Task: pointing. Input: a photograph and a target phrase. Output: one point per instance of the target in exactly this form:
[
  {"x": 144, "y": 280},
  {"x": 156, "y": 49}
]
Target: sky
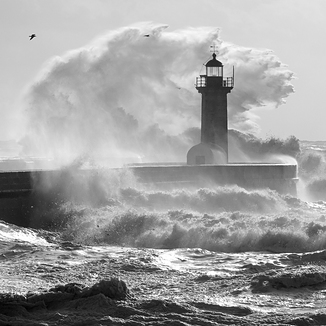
[{"x": 293, "y": 29}]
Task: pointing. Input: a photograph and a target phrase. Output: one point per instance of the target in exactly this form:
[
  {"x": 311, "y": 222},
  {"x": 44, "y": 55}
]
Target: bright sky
[{"x": 293, "y": 29}]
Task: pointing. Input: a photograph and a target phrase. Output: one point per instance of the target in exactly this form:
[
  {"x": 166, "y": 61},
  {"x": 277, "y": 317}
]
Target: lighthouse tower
[{"x": 213, "y": 87}]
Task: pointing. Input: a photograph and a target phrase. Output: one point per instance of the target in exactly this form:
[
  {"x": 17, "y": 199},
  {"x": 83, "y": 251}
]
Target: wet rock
[
  {"x": 50, "y": 298},
  {"x": 97, "y": 303},
  {"x": 10, "y": 297},
  {"x": 231, "y": 310},
  {"x": 165, "y": 306},
  {"x": 20, "y": 307},
  {"x": 13, "y": 309},
  {"x": 74, "y": 288},
  {"x": 302, "y": 321},
  {"x": 319, "y": 319},
  {"x": 99, "y": 297},
  {"x": 114, "y": 289}
]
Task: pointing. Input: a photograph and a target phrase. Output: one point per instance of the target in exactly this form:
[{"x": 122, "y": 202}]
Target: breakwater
[{"x": 23, "y": 192}]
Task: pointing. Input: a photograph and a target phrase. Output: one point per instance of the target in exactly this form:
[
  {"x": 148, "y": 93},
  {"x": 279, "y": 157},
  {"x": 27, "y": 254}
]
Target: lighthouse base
[{"x": 206, "y": 154}]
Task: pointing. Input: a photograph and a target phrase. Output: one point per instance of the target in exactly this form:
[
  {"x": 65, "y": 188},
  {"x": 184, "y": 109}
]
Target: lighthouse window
[{"x": 214, "y": 71}]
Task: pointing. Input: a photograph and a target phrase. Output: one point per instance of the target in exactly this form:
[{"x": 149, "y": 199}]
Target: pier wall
[
  {"x": 279, "y": 177},
  {"x": 22, "y": 193}
]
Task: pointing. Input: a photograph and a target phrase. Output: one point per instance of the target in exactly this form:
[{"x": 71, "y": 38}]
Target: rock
[
  {"x": 114, "y": 289},
  {"x": 74, "y": 288},
  {"x": 99, "y": 297},
  {"x": 49, "y": 298},
  {"x": 231, "y": 310},
  {"x": 13, "y": 309},
  {"x": 96, "y": 303}
]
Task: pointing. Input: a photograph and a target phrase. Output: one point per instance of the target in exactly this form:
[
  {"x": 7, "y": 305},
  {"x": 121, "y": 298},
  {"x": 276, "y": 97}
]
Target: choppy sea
[{"x": 187, "y": 256}]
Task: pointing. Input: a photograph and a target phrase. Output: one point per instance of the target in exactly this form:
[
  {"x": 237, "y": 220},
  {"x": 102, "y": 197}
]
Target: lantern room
[
  {"x": 214, "y": 76},
  {"x": 214, "y": 68}
]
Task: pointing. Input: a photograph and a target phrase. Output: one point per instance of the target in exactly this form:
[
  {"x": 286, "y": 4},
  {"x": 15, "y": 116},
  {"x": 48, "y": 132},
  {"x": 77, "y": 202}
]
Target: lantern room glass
[{"x": 214, "y": 71}]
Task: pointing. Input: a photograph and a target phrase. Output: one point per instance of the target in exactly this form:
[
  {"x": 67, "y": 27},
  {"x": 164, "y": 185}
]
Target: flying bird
[
  {"x": 146, "y": 35},
  {"x": 32, "y": 36}
]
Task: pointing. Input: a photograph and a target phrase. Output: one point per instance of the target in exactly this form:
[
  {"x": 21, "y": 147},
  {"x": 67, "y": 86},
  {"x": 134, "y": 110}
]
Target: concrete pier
[
  {"x": 279, "y": 177},
  {"x": 25, "y": 192}
]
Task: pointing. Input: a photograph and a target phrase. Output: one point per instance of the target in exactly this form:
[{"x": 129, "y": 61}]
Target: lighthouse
[{"x": 213, "y": 87}]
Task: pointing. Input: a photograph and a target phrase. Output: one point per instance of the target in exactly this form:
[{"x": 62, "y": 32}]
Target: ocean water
[{"x": 130, "y": 254}]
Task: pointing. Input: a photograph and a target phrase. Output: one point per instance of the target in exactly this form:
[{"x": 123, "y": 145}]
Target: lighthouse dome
[{"x": 214, "y": 62}]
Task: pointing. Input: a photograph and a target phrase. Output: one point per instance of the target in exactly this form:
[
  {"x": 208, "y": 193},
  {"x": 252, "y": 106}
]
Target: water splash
[{"x": 125, "y": 96}]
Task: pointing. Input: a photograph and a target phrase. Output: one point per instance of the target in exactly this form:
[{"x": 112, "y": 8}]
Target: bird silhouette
[
  {"x": 146, "y": 35},
  {"x": 32, "y": 36}
]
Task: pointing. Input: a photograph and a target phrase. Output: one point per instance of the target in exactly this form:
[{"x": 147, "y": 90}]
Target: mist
[{"x": 126, "y": 97}]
